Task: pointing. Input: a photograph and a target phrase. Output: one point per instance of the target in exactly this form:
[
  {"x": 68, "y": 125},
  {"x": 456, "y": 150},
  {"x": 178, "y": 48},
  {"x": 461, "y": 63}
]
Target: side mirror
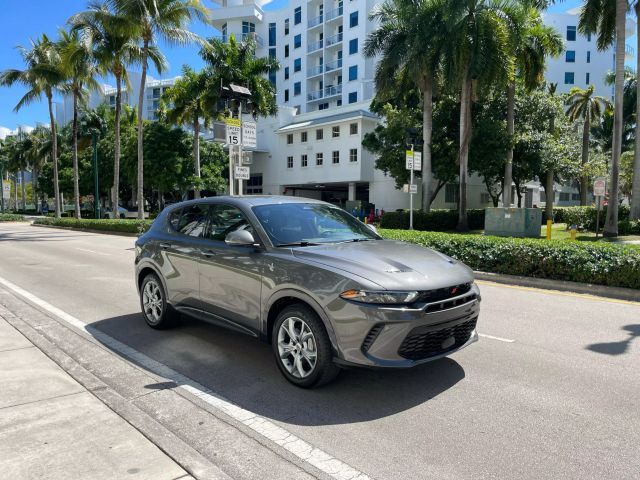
[
  {"x": 240, "y": 238},
  {"x": 372, "y": 228}
]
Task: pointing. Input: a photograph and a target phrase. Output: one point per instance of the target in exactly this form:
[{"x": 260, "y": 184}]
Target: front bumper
[{"x": 400, "y": 337}]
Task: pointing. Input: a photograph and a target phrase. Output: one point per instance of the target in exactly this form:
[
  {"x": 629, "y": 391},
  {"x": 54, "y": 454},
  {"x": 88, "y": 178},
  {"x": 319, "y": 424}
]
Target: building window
[
  {"x": 339, "y": 102},
  {"x": 254, "y": 184},
  {"x": 565, "y": 196},
  {"x": 484, "y": 198},
  {"x": 319, "y": 134},
  {"x": 272, "y": 77},
  {"x": 353, "y": 97},
  {"x": 571, "y": 33},
  {"x": 323, "y": 106},
  {"x": 319, "y": 159},
  {"x": 286, "y": 73},
  {"x": 353, "y": 19},
  {"x": 297, "y": 16},
  {"x": 289, "y": 138},
  {"x": 353, "y": 73},
  {"x": 451, "y": 193},
  {"x": 589, "y": 37},
  {"x": 353, "y": 129},
  {"x": 303, "y": 137},
  {"x": 286, "y": 26},
  {"x": 569, "y": 78},
  {"x": 303, "y": 161},
  {"x": 588, "y": 57},
  {"x": 587, "y": 78},
  {"x": 336, "y": 157},
  {"x": 286, "y": 95},
  {"x": 272, "y": 34},
  {"x": 353, "y": 46},
  {"x": 289, "y": 162},
  {"x": 286, "y": 51},
  {"x": 335, "y": 131},
  {"x": 297, "y": 65},
  {"x": 353, "y": 155},
  {"x": 297, "y": 88},
  {"x": 297, "y": 41},
  {"x": 575, "y": 197},
  {"x": 570, "y": 56}
]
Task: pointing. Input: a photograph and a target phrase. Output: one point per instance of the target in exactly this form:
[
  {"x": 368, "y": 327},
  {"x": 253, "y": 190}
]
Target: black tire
[
  {"x": 324, "y": 369},
  {"x": 167, "y": 316}
]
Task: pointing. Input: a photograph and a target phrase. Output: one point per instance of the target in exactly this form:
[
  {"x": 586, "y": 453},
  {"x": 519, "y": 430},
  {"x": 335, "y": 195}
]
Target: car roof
[{"x": 252, "y": 200}]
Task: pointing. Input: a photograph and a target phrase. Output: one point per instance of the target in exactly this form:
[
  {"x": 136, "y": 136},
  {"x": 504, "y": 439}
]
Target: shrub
[
  {"x": 435, "y": 220},
  {"x": 585, "y": 217},
  {"x": 603, "y": 264},
  {"x": 120, "y": 226},
  {"x": 10, "y": 217}
]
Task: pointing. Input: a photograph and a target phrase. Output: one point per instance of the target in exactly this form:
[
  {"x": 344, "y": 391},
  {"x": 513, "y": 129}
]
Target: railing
[
  {"x": 315, "y": 21},
  {"x": 333, "y": 65},
  {"x": 315, "y": 95},
  {"x": 334, "y": 39},
  {"x": 313, "y": 71},
  {"x": 243, "y": 37},
  {"x": 335, "y": 13},
  {"x": 332, "y": 91},
  {"x": 312, "y": 47}
]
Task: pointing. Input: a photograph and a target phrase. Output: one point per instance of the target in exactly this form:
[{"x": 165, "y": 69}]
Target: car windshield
[{"x": 310, "y": 223}]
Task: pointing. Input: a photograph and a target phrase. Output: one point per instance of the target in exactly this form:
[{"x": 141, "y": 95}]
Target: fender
[
  {"x": 309, "y": 300},
  {"x": 147, "y": 263}
]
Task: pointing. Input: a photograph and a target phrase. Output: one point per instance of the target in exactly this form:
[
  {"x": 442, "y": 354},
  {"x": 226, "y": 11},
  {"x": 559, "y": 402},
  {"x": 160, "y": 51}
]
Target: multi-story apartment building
[{"x": 582, "y": 64}]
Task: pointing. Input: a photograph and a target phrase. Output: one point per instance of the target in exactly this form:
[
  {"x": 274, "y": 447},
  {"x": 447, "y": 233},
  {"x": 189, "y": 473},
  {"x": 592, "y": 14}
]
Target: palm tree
[
  {"x": 156, "y": 20},
  {"x": 80, "y": 70},
  {"x": 478, "y": 56},
  {"x": 588, "y": 108},
  {"x": 37, "y": 153},
  {"x": 532, "y": 43},
  {"x": 114, "y": 49},
  {"x": 409, "y": 40},
  {"x": 596, "y": 17},
  {"x": 184, "y": 103},
  {"x": 42, "y": 75}
]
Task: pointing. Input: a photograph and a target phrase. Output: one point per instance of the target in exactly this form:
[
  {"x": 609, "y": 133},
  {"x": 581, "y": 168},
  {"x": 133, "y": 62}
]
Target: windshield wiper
[
  {"x": 297, "y": 244},
  {"x": 356, "y": 240}
]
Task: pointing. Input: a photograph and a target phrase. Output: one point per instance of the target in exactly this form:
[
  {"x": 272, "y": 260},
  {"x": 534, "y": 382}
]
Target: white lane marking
[
  {"x": 500, "y": 339},
  {"x": 298, "y": 447},
  {"x": 93, "y": 251}
]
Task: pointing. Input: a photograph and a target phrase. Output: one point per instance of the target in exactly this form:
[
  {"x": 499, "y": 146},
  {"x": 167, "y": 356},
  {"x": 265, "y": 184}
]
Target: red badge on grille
[{"x": 454, "y": 290}]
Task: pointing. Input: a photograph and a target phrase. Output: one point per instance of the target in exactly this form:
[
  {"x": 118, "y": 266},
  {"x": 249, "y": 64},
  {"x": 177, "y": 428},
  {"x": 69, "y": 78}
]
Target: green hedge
[
  {"x": 10, "y": 217},
  {"x": 585, "y": 217},
  {"x": 602, "y": 264},
  {"x": 120, "y": 226},
  {"x": 435, "y": 220}
]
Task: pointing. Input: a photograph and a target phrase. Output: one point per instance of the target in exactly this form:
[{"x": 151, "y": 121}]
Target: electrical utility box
[{"x": 513, "y": 222}]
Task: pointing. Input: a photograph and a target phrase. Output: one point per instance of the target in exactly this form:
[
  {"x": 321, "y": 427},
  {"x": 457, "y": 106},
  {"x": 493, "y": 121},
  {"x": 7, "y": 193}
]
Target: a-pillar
[{"x": 352, "y": 191}]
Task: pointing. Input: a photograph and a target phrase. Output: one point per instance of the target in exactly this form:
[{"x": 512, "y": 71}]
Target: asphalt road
[{"x": 551, "y": 390}]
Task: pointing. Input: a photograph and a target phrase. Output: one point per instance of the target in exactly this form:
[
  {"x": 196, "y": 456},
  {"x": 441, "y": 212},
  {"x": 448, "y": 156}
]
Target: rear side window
[
  {"x": 225, "y": 219},
  {"x": 174, "y": 218},
  {"x": 190, "y": 220}
]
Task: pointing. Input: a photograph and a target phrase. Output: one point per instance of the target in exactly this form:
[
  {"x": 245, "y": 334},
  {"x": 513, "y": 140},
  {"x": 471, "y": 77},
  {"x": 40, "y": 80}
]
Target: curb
[
  {"x": 620, "y": 293},
  {"x": 88, "y": 230}
]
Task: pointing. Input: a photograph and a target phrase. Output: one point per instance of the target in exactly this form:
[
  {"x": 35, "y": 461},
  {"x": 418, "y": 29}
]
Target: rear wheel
[
  {"x": 302, "y": 348},
  {"x": 153, "y": 301}
]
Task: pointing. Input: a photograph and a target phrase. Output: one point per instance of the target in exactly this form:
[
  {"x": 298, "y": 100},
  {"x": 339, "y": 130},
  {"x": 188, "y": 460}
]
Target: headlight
[{"x": 382, "y": 297}]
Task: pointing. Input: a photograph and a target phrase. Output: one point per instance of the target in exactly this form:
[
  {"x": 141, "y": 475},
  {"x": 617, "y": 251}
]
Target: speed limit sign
[{"x": 233, "y": 130}]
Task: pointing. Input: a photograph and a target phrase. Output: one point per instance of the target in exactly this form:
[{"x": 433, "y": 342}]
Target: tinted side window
[
  {"x": 225, "y": 219},
  {"x": 174, "y": 218},
  {"x": 192, "y": 220}
]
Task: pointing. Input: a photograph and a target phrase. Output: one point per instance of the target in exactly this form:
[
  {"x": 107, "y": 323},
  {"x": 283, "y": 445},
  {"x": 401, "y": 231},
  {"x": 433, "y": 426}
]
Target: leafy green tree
[
  {"x": 585, "y": 107},
  {"x": 42, "y": 76}
]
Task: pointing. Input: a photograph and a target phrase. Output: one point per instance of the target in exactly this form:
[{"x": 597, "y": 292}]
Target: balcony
[
  {"x": 336, "y": 64},
  {"x": 315, "y": 95},
  {"x": 242, "y": 37},
  {"x": 334, "y": 40},
  {"x": 313, "y": 71},
  {"x": 333, "y": 14},
  {"x": 312, "y": 47},
  {"x": 326, "y": 92},
  {"x": 314, "y": 22}
]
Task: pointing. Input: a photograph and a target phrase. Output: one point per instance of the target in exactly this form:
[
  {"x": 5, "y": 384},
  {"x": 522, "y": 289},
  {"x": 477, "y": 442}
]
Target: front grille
[
  {"x": 371, "y": 336},
  {"x": 444, "y": 305},
  {"x": 425, "y": 342},
  {"x": 440, "y": 294}
]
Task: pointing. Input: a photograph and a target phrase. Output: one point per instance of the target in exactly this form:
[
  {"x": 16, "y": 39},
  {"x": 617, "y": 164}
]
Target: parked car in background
[
  {"x": 319, "y": 285},
  {"x": 108, "y": 212}
]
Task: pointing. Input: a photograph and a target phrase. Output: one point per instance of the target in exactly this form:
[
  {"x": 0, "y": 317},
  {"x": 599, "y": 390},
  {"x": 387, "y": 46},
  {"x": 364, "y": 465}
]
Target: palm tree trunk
[
  {"x": 427, "y": 129},
  {"x": 54, "y": 156},
  {"x": 76, "y": 180},
  {"x": 23, "y": 190},
  {"x": 143, "y": 81},
  {"x": 115, "y": 202},
  {"x": 549, "y": 194},
  {"x": 508, "y": 168},
  {"x": 34, "y": 189},
  {"x": 611, "y": 225},
  {"x": 196, "y": 153},
  {"x": 634, "y": 214},
  {"x": 584, "y": 181},
  {"x": 465, "y": 137}
]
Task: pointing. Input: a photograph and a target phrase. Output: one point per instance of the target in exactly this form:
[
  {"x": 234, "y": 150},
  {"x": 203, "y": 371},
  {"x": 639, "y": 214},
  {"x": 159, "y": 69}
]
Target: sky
[{"x": 22, "y": 20}]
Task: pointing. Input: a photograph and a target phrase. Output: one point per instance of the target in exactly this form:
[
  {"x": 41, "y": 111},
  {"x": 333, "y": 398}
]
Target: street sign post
[
  {"x": 599, "y": 191},
  {"x": 6, "y": 193},
  {"x": 233, "y": 131},
  {"x": 410, "y": 160},
  {"x": 417, "y": 161},
  {"x": 249, "y": 134},
  {"x": 413, "y": 189},
  {"x": 242, "y": 173}
]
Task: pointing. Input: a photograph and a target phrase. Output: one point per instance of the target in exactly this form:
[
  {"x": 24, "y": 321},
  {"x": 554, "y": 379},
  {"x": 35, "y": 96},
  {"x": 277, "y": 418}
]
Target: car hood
[{"x": 393, "y": 265}]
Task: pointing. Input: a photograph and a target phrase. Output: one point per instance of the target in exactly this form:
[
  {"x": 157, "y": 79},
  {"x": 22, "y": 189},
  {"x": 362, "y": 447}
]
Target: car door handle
[{"x": 164, "y": 245}]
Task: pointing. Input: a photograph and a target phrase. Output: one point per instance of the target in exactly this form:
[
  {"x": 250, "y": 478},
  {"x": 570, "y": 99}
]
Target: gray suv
[{"x": 324, "y": 289}]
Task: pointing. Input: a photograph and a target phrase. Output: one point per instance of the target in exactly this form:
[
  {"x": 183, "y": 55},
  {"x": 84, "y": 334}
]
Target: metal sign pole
[
  {"x": 411, "y": 191},
  {"x": 598, "y": 216},
  {"x": 240, "y": 148}
]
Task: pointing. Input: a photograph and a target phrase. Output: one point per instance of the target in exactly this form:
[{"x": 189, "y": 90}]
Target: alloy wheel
[
  {"x": 152, "y": 301},
  {"x": 297, "y": 347}
]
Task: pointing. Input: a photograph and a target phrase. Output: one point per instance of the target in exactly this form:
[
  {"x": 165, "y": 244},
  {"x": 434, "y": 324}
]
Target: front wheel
[
  {"x": 302, "y": 348},
  {"x": 157, "y": 312}
]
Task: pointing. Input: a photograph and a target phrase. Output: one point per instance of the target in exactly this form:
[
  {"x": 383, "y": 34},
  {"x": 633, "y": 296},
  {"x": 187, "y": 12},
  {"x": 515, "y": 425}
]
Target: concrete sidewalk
[{"x": 51, "y": 427}]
